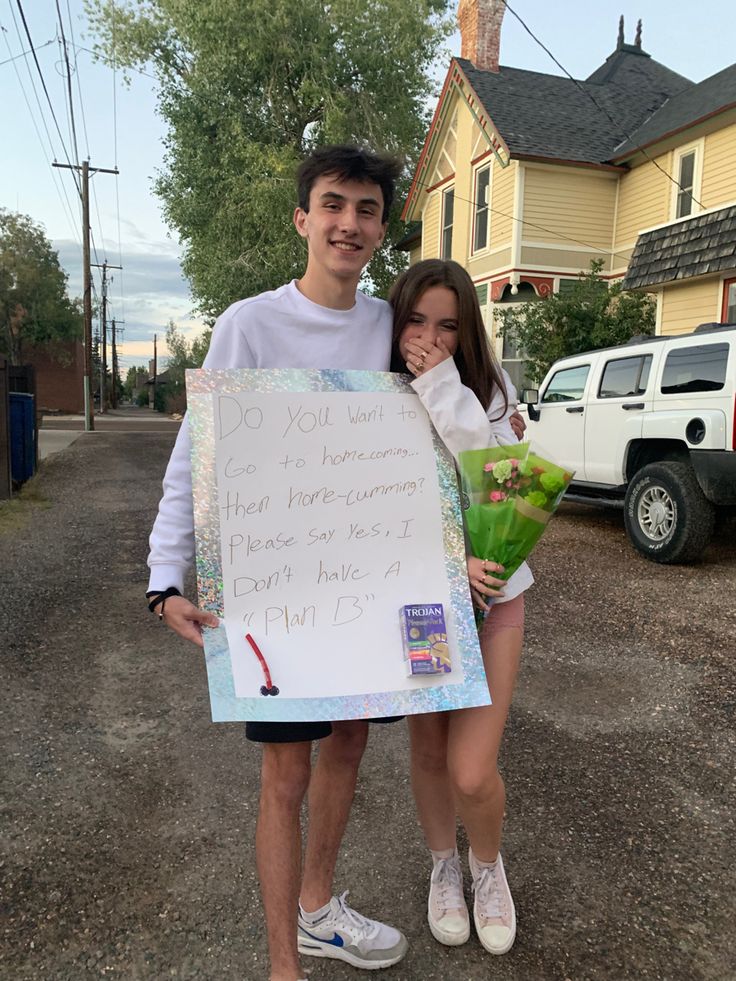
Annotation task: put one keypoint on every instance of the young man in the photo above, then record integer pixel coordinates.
(318, 321)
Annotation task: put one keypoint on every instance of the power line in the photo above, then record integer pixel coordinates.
(619, 128)
(46, 91)
(115, 154)
(24, 53)
(84, 120)
(69, 84)
(58, 183)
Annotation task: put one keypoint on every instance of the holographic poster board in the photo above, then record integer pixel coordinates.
(324, 503)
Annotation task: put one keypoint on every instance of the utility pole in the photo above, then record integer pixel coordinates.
(104, 266)
(114, 393)
(155, 369)
(84, 167)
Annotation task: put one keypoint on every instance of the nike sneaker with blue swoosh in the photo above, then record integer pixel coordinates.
(348, 936)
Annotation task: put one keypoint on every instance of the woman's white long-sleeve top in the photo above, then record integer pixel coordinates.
(463, 424)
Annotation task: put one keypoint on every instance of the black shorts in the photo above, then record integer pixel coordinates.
(295, 732)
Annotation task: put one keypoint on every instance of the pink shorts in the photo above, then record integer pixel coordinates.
(502, 615)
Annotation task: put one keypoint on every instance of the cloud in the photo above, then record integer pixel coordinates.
(154, 291)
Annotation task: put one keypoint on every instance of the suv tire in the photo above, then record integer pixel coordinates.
(667, 516)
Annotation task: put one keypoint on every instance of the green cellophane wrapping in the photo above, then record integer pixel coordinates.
(506, 531)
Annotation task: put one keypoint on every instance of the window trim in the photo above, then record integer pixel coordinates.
(483, 165)
(727, 284)
(697, 147)
(443, 227)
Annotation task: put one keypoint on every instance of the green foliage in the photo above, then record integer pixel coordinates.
(182, 355)
(591, 315)
(246, 87)
(34, 306)
(135, 374)
(141, 398)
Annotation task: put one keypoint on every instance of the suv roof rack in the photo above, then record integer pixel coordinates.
(707, 328)
(646, 339)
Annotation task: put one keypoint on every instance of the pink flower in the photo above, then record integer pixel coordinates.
(509, 483)
(514, 463)
(488, 467)
(497, 496)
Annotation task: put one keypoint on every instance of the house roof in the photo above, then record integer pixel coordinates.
(554, 117)
(700, 245)
(696, 102)
(412, 234)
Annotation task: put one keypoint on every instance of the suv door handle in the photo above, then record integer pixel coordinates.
(577, 408)
(632, 405)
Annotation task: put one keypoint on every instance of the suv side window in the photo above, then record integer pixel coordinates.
(625, 376)
(699, 368)
(567, 385)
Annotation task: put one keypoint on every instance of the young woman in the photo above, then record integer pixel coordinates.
(439, 336)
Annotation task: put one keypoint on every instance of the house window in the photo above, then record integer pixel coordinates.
(686, 171)
(728, 315)
(482, 200)
(448, 214)
(508, 351)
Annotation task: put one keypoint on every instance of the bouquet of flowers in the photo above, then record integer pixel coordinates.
(509, 494)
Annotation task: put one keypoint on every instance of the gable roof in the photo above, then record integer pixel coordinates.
(697, 102)
(695, 247)
(555, 117)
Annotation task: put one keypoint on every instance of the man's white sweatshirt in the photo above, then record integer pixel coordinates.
(280, 329)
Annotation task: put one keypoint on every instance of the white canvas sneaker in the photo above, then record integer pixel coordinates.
(343, 934)
(493, 910)
(447, 911)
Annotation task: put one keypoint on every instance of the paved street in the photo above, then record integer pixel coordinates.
(128, 817)
(128, 419)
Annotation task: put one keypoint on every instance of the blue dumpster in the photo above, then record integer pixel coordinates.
(22, 436)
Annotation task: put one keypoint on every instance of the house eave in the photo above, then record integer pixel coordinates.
(674, 132)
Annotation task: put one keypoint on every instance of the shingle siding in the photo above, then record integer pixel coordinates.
(702, 245)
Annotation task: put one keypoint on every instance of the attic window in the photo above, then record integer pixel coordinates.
(448, 215)
(482, 200)
(687, 168)
(686, 181)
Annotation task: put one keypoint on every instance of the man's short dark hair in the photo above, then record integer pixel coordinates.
(348, 163)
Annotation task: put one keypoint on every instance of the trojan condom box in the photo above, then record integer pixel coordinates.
(425, 639)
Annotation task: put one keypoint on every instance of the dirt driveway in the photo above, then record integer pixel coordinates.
(128, 817)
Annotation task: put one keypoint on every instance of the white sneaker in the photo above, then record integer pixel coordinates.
(493, 910)
(345, 935)
(447, 911)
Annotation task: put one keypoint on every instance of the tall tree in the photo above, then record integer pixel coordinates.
(34, 305)
(590, 315)
(246, 87)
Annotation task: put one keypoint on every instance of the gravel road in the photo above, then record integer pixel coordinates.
(128, 817)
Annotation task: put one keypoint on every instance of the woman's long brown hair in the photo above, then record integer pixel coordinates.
(475, 362)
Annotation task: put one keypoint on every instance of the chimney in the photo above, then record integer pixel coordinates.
(480, 30)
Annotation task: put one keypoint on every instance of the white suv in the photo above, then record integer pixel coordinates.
(650, 425)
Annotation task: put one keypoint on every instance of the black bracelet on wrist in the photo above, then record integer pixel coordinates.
(160, 597)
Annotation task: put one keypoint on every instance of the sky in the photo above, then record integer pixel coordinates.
(119, 126)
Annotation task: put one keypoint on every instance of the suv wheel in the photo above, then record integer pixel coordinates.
(667, 516)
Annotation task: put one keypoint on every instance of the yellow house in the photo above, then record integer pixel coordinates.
(525, 178)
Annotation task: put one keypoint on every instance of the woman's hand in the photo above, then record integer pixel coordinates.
(482, 583)
(425, 355)
(518, 425)
(186, 619)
